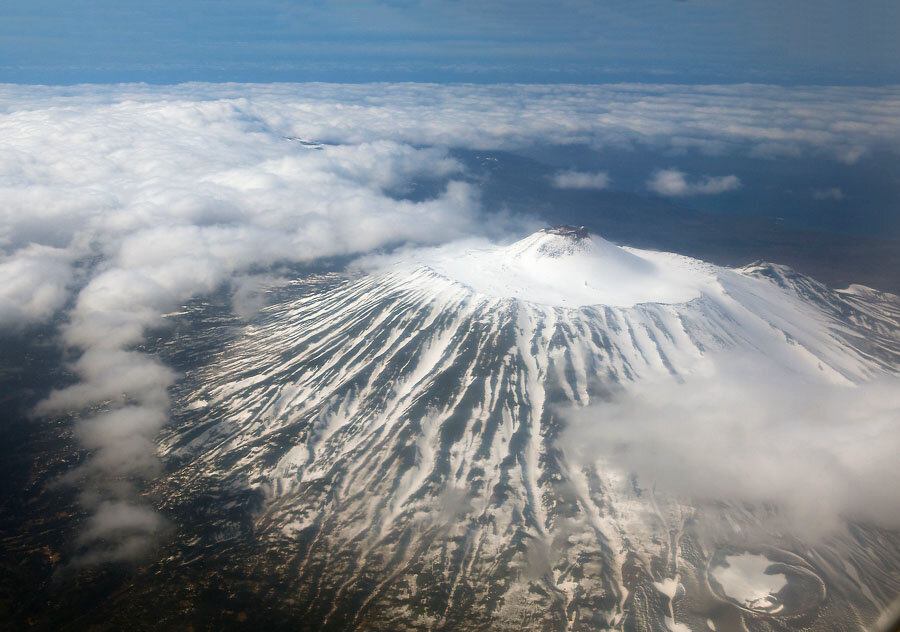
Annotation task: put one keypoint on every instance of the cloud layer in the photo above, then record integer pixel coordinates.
(122, 202)
(840, 122)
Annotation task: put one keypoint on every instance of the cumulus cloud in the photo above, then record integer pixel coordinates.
(751, 433)
(672, 182)
(581, 180)
(36, 282)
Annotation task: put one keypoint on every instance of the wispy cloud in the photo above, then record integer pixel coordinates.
(581, 180)
(828, 193)
(675, 183)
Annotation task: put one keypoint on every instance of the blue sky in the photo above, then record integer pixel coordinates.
(584, 41)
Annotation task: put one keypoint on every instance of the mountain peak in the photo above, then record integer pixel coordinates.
(568, 230)
(566, 266)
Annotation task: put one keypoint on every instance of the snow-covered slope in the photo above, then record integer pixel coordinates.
(400, 432)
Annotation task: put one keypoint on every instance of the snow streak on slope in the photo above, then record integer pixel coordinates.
(400, 430)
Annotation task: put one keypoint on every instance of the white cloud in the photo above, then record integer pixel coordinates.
(118, 531)
(671, 182)
(36, 281)
(248, 292)
(581, 180)
(749, 432)
(116, 376)
(828, 193)
(844, 123)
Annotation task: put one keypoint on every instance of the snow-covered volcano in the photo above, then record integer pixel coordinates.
(399, 432)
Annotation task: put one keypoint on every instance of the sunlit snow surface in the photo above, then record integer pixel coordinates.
(552, 269)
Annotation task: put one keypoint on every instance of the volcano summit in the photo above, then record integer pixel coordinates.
(567, 267)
